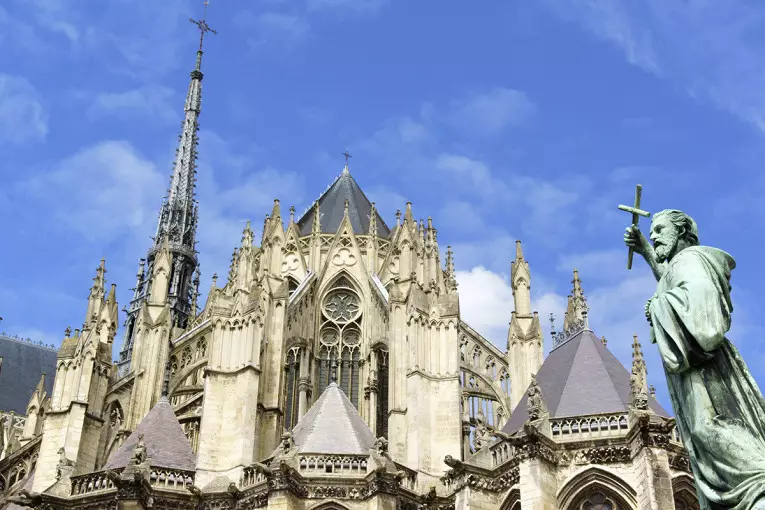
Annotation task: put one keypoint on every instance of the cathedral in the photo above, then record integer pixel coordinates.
(330, 369)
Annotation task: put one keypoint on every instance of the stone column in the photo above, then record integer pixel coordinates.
(373, 391)
(304, 383)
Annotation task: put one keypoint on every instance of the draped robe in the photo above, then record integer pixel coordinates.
(719, 409)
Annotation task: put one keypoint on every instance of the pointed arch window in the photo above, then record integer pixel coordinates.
(292, 374)
(340, 339)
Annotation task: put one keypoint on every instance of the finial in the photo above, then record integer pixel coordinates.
(347, 203)
(292, 214)
(398, 217)
(518, 249)
(347, 157)
(408, 212)
(333, 372)
(215, 280)
(551, 318)
(67, 332)
(652, 391)
(604, 341)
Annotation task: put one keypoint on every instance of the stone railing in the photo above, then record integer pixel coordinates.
(501, 452)
(587, 427)
(166, 478)
(161, 478)
(251, 476)
(326, 464)
(91, 482)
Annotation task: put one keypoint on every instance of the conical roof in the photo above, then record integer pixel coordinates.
(580, 378)
(166, 445)
(333, 426)
(332, 208)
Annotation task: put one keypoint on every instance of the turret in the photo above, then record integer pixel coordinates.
(524, 338)
(73, 418)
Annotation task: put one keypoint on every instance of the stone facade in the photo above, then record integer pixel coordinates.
(333, 302)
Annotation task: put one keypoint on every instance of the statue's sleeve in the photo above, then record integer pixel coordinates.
(690, 318)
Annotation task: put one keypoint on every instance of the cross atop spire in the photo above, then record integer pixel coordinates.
(347, 157)
(203, 26)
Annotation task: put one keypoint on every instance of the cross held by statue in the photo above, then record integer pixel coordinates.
(636, 214)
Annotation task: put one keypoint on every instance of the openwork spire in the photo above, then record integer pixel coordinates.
(575, 320)
(178, 218)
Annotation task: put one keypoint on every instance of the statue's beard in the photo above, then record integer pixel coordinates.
(665, 247)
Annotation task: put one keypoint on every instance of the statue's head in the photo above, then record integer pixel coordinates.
(671, 231)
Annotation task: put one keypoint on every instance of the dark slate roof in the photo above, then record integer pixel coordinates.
(333, 426)
(580, 378)
(332, 208)
(166, 445)
(23, 365)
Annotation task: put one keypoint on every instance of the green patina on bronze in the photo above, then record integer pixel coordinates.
(720, 411)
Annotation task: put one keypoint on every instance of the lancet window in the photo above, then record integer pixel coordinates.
(340, 339)
(292, 373)
(382, 393)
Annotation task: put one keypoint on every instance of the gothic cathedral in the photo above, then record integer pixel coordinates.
(331, 369)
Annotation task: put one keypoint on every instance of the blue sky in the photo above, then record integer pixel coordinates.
(515, 120)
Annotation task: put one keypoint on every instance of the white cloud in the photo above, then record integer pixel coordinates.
(152, 101)
(489, 113)
(23, 118)
(280, 26)
(103, 192)
(486, 303)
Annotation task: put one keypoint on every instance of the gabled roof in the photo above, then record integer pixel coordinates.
(23, 365)
(580, 378)
(332, 208)
(166, 445)
(333, 426)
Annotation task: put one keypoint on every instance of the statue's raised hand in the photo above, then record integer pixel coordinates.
(635, 239)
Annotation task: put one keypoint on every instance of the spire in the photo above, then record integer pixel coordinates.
(97, 291)
(373, 220)
(520, 279)
(639, 377)
(247, 235)
(451, 274)
(178, 218)
(576, 311)
(316, 226)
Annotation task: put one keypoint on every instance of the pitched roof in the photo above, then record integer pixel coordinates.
(166, 445)
(23, 365)
(332, 208)
(580, 378)
(333, 426)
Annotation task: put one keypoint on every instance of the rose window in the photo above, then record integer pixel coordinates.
(342, 306)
